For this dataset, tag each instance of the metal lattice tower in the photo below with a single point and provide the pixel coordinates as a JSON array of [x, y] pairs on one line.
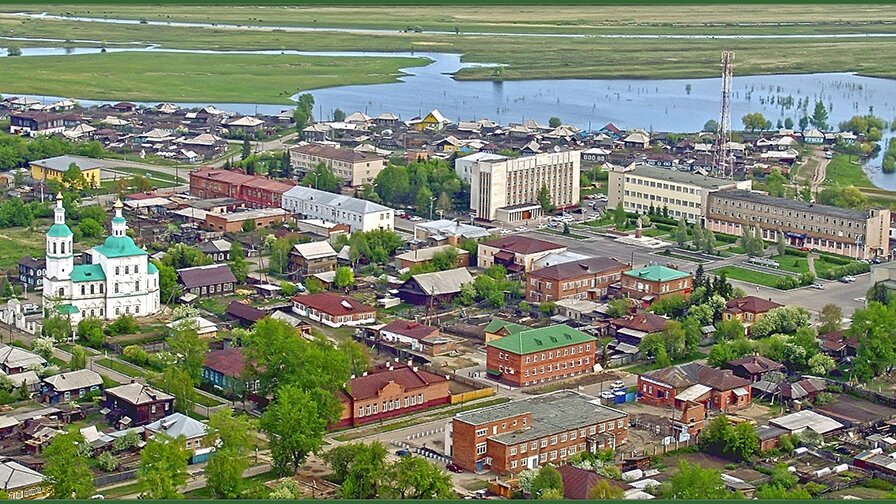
[[723, 162]]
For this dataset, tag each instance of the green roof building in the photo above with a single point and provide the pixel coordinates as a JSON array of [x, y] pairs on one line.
[[497, 329], [535, 356], [655, 281]]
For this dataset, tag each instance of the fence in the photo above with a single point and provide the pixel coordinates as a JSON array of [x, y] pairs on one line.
[[109, 479], [426, 433], [862, 393], [472, 395]]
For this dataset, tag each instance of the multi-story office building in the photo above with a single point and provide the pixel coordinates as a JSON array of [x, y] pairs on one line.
[[507, 189], [582, 279], [528, 433], [358, 214], [855, 233], [642, 187]]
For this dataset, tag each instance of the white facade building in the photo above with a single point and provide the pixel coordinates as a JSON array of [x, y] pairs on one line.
[[507, 189], [358, 214], [640, 187], [115, 279]]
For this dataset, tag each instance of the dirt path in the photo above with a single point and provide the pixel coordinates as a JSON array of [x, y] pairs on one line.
[[821, 171]]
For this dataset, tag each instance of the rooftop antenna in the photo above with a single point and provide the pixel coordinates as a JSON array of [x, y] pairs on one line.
[[723, 161]]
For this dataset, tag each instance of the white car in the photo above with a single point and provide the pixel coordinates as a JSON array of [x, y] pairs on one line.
[[606, 394], [506, 231], [521, 229], [816, 286], [415, 218], [616, 385]]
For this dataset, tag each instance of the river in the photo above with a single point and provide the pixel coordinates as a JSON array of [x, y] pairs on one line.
[[660, 105]]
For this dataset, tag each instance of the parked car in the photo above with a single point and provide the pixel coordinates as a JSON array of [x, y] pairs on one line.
[[606, 394], [403, 453], [817, 286], [454, 468], [30, 308], [829, 155], [847, 279], [416, 218], [616, 385]]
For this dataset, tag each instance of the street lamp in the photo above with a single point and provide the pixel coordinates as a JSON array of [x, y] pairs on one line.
[[432, 201]]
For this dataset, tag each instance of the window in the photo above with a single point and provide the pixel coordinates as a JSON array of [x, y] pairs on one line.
[[513, 464], [619, 423], [533, 445], [137, 269], [127, 270], [116, 288], [563, 438], [553, 440], [513, 451], [480, 449], [117, 270], [481, 432], [523, 448], [553, 454], [137, 285], [544, 443], [543, 457]]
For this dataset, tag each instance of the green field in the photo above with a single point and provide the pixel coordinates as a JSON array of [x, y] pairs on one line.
[[271, 79], [792, 263], [121, 367], [747, 275], [156, 177], [193, 77], [843, 172], [16, 243]]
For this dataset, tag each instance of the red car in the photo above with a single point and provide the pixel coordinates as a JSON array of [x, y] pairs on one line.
[[454, 468]]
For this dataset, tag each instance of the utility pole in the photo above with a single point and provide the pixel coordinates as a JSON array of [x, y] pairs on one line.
[[723, 162], [432, 201]]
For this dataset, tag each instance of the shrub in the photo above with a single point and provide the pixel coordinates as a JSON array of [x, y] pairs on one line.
[[795, 252], [106, 462], [125, 324]]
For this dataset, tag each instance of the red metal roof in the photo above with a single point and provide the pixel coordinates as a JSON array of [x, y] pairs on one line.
[[332, 304], [752, 304], [409, 329], [523, 244], [366, 387], [229, 362]]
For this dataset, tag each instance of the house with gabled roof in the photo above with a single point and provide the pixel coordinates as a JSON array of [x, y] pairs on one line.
[[694, 382], [136, 404], [516, 253], [534, 356], [440, 287], [497, 329], [748, 309], [390, 391], [333, 310]]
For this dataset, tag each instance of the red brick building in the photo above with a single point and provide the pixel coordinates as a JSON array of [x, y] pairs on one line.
[[716, 389], [540, 355], [656, 282], [390, 392], [583, 279], [528, 433], [255, 191]]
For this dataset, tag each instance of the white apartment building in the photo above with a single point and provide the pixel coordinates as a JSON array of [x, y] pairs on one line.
[[358, 214], [640, 187], [464, 166], [507, 189]]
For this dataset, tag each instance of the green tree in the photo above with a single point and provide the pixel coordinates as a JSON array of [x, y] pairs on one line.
[[781, 244], [338, 115], [821, 364], [711, 126], [169, 287], [239, 265], [345, 277], [788, 123], [303, 112], [233, 438], [357, 355], [189, 350], [444, 203], [619, 217], [246, 149], [178, 382], [554, 122], [547, 478], [57, 328], [783, 320], [879, 293], [78, 359], [67, 469], [754, 121], [279, 249], [819, 117], [295, 427], [618, 308], [90, 332], [90, 228], [181, 256], [417, 478], [604, 490], [359, 468], [323, 178], [727, 330], [544, 200], [163, 467], [779, 493], [248, 226], [693, 482], [873, 328], [774, 183], [830, 318]]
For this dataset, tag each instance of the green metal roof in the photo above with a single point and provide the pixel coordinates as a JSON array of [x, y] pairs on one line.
[[67, 309], [656, 273], [88, 273], [118, 220], [541, 339], [497, 324], [120, 246], [59, 231], [152, 269]]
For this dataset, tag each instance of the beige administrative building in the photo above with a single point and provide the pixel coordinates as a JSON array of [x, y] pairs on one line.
[[854, 233], [355, 168], [640, 187], [506, 189]]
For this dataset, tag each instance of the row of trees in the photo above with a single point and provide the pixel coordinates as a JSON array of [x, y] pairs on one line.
[[422, 184], [362, 472], [17, 151], [756, 121]]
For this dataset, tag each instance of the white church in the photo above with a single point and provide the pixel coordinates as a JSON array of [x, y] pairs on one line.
[[115, 279]]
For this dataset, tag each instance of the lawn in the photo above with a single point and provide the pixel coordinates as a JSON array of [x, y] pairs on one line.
[[154, 176], [843, 172], [791, 263], [194, 77], [16, 243], [121, 367], [206, 401], [747, 275]]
